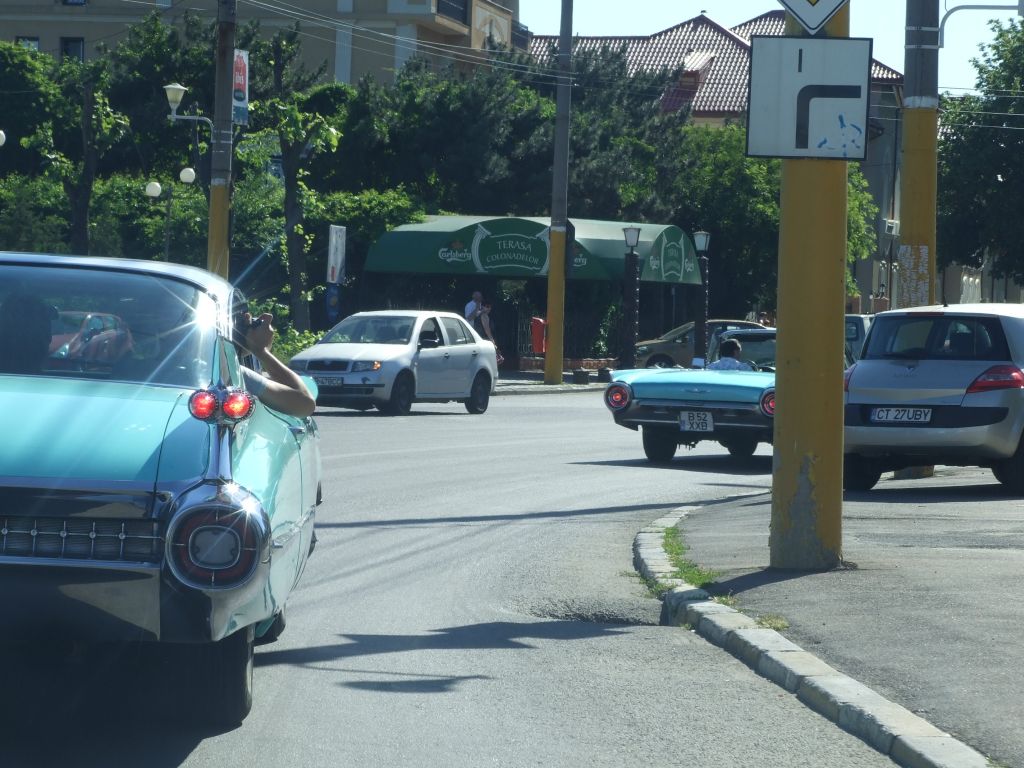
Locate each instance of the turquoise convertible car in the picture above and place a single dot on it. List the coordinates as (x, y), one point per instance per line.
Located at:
(145, 494)
(684, 406)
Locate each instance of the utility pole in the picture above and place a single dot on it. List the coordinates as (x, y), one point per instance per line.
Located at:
(919, 171)
(807, 492)
(559, 205)
(218, 249)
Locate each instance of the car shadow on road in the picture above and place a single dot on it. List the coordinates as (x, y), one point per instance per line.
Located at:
(486, 636)
(497, 518)
(93, 708)
(931, 494)
(719, 465)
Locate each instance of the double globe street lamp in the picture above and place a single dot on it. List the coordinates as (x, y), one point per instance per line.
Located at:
(154, 189)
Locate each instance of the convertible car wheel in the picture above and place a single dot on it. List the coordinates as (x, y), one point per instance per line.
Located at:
(659, 445)
(402, 393)
(224, 675)
(859, 474)
(479, 394)
(741, 447)
(275, 629)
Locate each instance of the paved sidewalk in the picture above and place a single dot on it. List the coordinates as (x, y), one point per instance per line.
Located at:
(915, 645)
(532, 383)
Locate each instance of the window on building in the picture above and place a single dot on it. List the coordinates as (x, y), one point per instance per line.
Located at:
(72, 48)
(29, 42)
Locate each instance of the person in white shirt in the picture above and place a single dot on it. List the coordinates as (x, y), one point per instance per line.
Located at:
(728, 358)
(474, 308)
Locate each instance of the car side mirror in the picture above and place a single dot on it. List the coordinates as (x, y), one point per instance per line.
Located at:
(429, 342)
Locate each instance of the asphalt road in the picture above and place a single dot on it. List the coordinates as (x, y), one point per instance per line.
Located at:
(471, 602)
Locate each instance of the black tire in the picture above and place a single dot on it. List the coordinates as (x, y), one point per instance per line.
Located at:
(403, 392)
(660, 361)
(225, 679)
(1010, 472)
(659, 445)
(859, 474)
(740, 447)
(479, 394)
(275, 629)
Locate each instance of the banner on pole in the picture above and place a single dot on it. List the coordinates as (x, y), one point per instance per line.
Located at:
(240, 89)
(336, 255)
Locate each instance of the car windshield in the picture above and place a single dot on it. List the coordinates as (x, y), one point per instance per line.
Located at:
(936, 337)
(371, 329)
(104, 323)
(759, 348)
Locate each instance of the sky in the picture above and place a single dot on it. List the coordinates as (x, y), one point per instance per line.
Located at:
(882, 20)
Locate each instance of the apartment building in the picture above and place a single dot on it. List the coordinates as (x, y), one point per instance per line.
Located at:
(354, 37)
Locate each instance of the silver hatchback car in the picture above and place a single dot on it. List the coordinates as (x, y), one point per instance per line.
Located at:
(937, 385)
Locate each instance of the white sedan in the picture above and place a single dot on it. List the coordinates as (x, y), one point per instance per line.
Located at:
(391, 359)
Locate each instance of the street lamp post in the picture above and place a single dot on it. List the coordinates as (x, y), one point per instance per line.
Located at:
(154, 190)
(220, 175)
(630, 299)
(701, 242)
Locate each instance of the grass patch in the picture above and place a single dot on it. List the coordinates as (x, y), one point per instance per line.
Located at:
(772, 621)
(728, 600)
(686, 569)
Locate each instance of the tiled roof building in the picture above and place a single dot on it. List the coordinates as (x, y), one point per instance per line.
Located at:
(714, 67)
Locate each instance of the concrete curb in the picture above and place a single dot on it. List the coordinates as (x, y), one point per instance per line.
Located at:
(893, 730)
(544, 389)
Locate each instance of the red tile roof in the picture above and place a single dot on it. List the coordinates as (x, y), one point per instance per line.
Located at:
(700, 48)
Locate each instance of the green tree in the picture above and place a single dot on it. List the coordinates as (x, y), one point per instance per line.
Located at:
(79, 127)
(981, 161)
(301, 135)
(28, 92)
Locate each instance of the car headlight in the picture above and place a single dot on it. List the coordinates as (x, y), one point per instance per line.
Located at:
(365, 365)
(642, 349)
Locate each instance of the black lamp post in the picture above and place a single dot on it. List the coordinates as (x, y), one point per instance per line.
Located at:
(630, 299)
(701, 241)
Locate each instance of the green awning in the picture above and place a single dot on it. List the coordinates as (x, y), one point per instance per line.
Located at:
(518, 248)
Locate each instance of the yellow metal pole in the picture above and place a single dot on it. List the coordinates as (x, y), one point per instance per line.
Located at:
(918, 189)
(807, 493)
(217, 247)
(553, 365)
(553, 373)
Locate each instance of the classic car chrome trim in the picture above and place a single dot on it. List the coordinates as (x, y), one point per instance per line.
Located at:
(148, 569)
(280, 542)
(695, 405)
(39, 537)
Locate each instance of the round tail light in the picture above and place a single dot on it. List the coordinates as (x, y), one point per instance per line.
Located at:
(617, 396)
(203, 404)
(221, 405)
(213, 548)
(768, 403)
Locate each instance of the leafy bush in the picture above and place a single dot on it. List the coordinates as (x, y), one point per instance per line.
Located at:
(289, 342)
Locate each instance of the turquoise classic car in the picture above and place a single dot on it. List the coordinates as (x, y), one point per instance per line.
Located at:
(145, 494)
(684, 406)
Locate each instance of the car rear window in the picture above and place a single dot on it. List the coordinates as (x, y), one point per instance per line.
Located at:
(936, 337)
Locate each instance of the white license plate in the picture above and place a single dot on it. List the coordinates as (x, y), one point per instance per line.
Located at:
(902, 415)
(329, 381)
(696, 421)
